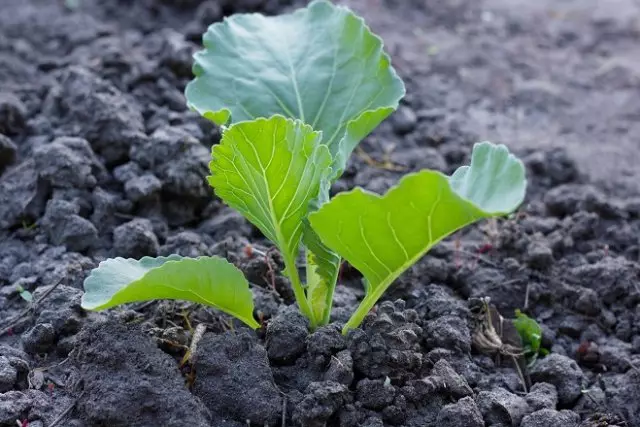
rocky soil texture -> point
(99, 157)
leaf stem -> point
(326, 315)
(365, 306)
(298, 290)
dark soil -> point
(99, 157)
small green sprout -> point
(24, 294)
(531, 334)
(294, 95)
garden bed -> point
(99, 157)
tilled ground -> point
(99, 157)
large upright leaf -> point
(207, 280)
(382, 236)
(270, 170)
(320, 64)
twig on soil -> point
(185, 317)
(144, 305)
(386, 164)
(271, 272)
(66, 412)
(16, 319)
(478, 257)
(284, 412)
(197, 336)
(456, 253)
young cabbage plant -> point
(294, 95)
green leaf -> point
(320, 64)
(322, 273)
(323, 264)
(270, 170)
(207, 280)
(382, 236)
(530, 332)
(24, 294)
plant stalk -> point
(365, 306)
(298, 291)
(326, 316)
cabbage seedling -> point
(294, 95)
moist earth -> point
(100, 157)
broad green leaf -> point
(207, 280)
(270, 170)
(382, 236)
(320, 64)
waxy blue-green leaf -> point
(270, 170)
(382, 236)
(206, 280)
(320, 64)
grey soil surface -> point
(99, 157)
(528, 74)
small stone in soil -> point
(65, 227)
(135, 239)
(8, 374)
(551, 417)
(286, 335)
(455, 385)
(539, 255)
(388, 343)
(227, 222)
(39, 339)
(542, 396)
(91, 107)
(375, 394)
(126, 377)
(142, 187)
(563, 372)
(404, 120)
(185, 243)
(252, 396)
(464, 412)
(340, 368)
(60, 309)
(7, 152)
(622, 391)
(501, 407)
(12, 114)
(22, 194)
(67, 163)
(321, 400)
(450, 332)
(14, 404)
(127, 172)
(326, 340)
